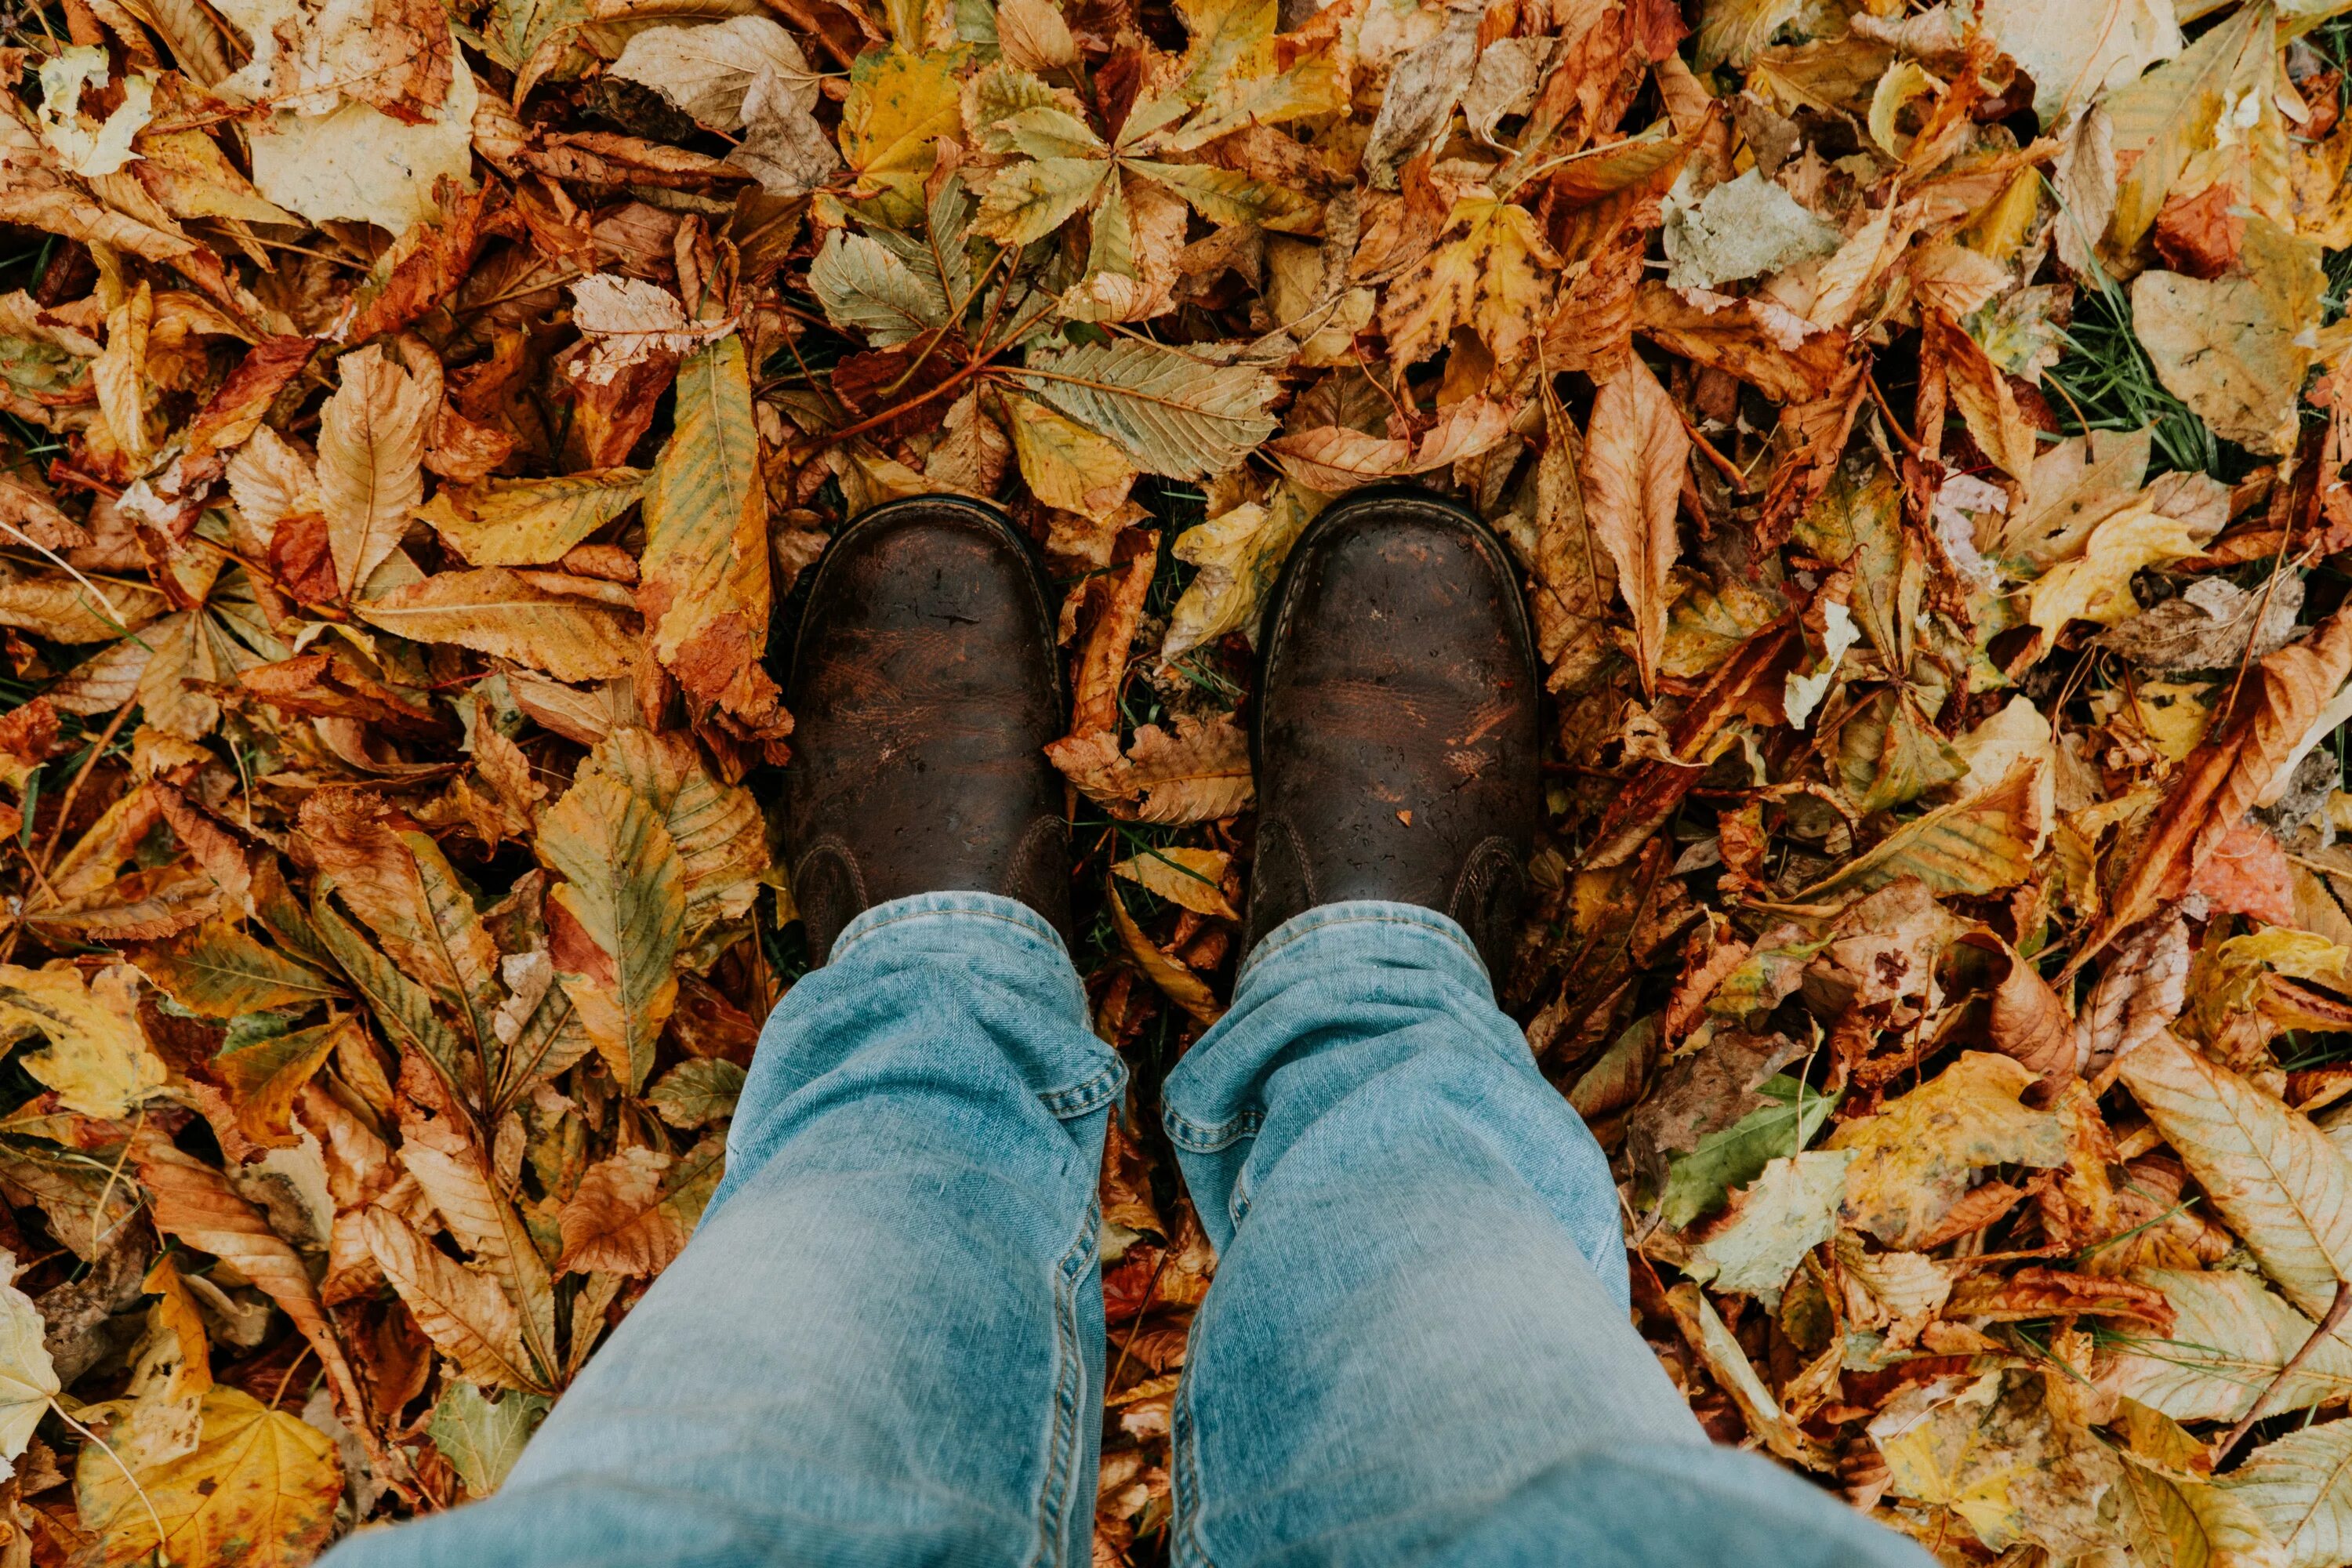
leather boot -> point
(924, 689)
(1395, 731)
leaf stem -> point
(2326, 1329)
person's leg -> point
(1417, 1348)
(884, 1343)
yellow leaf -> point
(1708, 1335)
(1065, 465)
(259, 1491)
(1239, 553)
(193, 1203)
(1997, 1454)
(898, 104)
(1916, 1156)
(1029, 201)
(2274, 1178)
(715, 828)
(97, 1059)
(1982, 395)
(529, 523)
(451, 1170)
(360, 163)
(220, 972)
(2173, 1518)
(394, 877)
(492, 611)
(1179, 985)
(2230, 1339)
(118, 375)
(1187, 877)
(1971, 847)
(1199, 772)
(1496, 278)
(263, 1076)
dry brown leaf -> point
(1635, 454)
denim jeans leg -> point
(883, 1345)
(1418, 1347)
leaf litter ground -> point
(1924, 431)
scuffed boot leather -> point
(924, 689)
(1395, 732)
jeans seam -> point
(1042, 933)
(1191, 1551)
(1191, 1135)
(1080, 1098)
(1275, 944)
(1063, 1439)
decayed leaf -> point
(1174, 412)
(695, 1093)
(261, 1488)
(1976, 846)
(193, 1202)
(1494, 279)
(1197, 772)
(1633, 458)
(1704, 1327)
(626, 321)
(1914, 1159)
(452, 1171)
(2232, 348)
(97, 1059)
(1738, 229)
(1995, 1455)
(2075, 53)
(264, 1077)
(1774, 1222)
(709, 70)
(634, 1212)
(463, 1312)
(2272, 1174)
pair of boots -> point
(1394, 732)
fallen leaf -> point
(1635, 454)
(1914, 1159)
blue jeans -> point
(884, 1343)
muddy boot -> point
(1395, 732)
(924, 689)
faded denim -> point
(884, 1345)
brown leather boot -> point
(1395, 732)
(924, 689)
